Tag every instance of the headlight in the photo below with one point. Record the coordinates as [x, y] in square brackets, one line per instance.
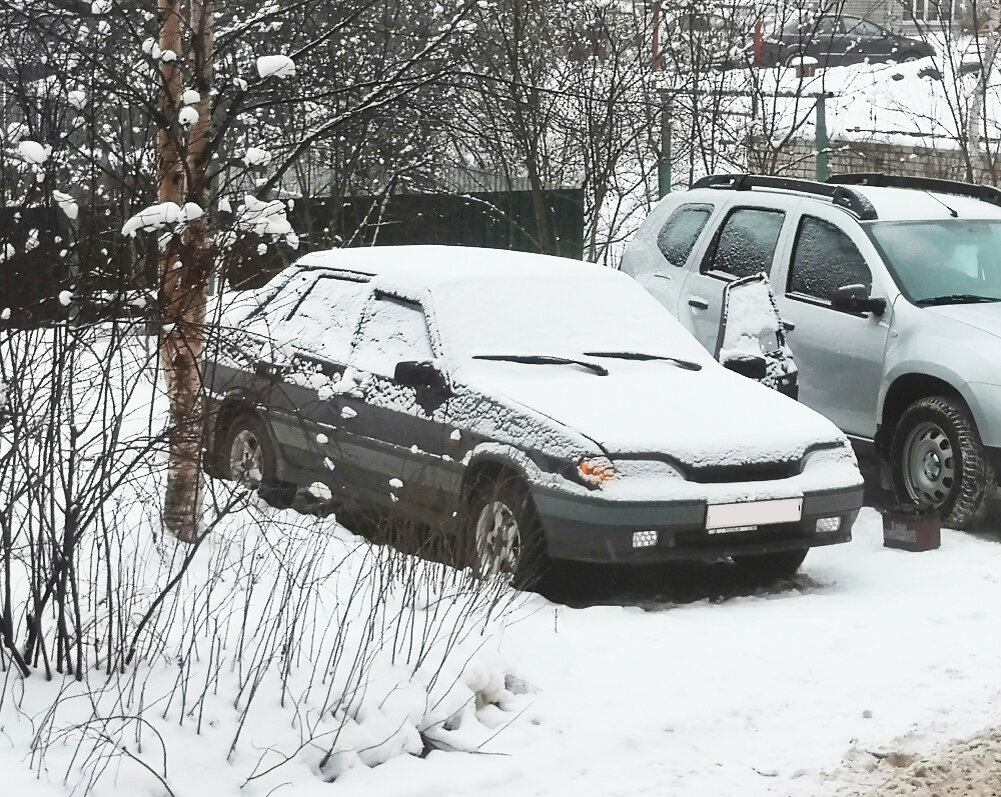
[596, 470]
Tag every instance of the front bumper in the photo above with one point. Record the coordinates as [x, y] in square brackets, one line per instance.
[595, 529]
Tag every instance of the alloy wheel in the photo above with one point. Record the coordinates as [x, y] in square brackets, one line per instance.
[246, 459]
[498, 539]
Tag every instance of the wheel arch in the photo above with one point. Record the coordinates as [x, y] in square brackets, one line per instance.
[490, 466]
[230, 408]
[904, 391]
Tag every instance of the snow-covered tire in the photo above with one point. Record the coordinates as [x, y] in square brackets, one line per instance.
[247, 457]
[766, 567]
[504, 534]
[938, 459]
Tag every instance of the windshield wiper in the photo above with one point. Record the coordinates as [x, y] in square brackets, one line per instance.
[688, 365]
[543, 359]
[955, 298]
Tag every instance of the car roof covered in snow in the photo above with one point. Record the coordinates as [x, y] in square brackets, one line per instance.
[433, 266]
[891, 204]
[909, 204]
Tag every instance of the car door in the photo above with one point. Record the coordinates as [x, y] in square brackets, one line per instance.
[312, 344]
[839, 354]
[744, 244]
[828, 43]
[869, 41]
[393, 438]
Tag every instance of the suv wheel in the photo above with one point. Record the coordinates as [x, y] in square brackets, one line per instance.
[938, 460]
[505, 533]
[248, 458]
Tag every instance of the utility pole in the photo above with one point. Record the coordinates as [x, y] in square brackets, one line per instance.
[664, 163]
[822, 143]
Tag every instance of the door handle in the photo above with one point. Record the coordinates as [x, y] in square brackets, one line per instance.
[698, 303]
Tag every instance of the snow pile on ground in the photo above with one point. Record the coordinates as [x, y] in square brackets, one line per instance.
[281, 648]
[968, 767]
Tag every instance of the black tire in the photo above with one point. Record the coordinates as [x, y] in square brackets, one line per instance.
[938, 459]
[526, 560]
[765, 567]
[247, 430]
[910, 55]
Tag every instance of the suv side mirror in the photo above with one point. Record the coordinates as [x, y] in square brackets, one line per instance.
[856, 299]
[753, 366]
[419, 375]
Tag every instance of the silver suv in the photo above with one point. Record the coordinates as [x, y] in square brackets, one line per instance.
[890, 293]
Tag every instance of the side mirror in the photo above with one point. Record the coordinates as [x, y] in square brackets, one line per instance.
[856, 299]
[419, 375]
[752, 366]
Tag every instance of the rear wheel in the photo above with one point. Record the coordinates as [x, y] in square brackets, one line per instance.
[938, 460]
[505, 534]
[770, 566]
[248, 458]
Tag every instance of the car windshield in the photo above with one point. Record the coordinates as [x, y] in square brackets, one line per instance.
[952, 261]
[549, 315]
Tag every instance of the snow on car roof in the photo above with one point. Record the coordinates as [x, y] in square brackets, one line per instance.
[430, 266]
[905, 204]
[891, 204]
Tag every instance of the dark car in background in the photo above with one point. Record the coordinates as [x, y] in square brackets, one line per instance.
[838, 41]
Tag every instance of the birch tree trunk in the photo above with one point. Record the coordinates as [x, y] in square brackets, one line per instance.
[980, 158]
[185, 265]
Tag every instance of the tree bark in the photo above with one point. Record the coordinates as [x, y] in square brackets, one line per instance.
[185, 265]
[980, 158]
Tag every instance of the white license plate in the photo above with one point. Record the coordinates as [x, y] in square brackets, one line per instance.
[754, 513]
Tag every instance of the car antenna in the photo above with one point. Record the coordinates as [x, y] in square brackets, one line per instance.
[952, 212]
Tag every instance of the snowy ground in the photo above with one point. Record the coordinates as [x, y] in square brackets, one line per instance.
[858, 676]
[874, 657]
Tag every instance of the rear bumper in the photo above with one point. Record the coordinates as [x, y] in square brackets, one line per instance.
[591, 529]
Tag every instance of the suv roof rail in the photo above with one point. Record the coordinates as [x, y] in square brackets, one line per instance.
[838, 194]
[985, 193]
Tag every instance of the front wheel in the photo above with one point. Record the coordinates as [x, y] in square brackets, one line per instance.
[770, 566]
[938, 460]
[505, 533]
[248, 457]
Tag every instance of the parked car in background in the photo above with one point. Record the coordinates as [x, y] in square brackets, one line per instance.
[532, 407]
[838, 41]
[890, 290]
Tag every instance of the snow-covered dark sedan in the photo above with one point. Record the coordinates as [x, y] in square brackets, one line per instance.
[536, 408]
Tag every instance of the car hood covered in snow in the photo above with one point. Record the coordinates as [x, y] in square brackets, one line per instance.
[700, 418]
[985, 317]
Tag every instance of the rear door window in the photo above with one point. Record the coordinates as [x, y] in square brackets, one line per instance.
[745, 244]
[681, 231]
[824, 259]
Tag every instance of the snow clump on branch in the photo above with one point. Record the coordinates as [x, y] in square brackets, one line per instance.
[156, 216]
[34, 153]
[280, 66]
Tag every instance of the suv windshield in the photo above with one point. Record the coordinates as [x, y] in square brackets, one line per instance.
[952, 261]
